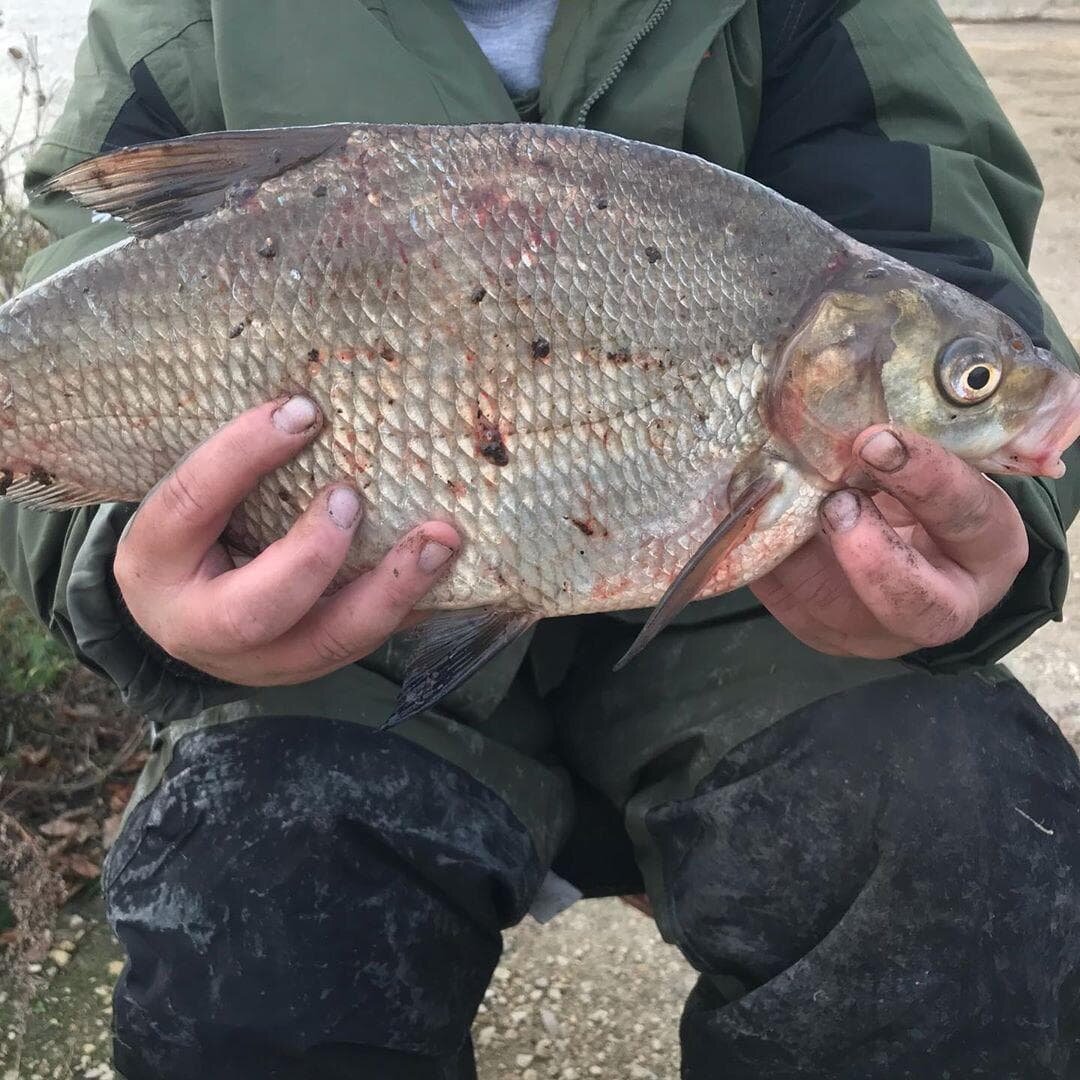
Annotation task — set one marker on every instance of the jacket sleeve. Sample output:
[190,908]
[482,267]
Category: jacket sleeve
[60,563]
[874,116]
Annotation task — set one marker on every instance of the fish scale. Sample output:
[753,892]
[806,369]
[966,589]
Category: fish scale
[374,263]
[625,375]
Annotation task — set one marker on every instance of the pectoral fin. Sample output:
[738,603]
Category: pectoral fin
[732,531]
[450,647]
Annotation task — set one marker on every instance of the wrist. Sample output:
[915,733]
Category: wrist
[177,669]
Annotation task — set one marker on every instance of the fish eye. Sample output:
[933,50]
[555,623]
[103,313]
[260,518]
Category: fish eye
[968,372]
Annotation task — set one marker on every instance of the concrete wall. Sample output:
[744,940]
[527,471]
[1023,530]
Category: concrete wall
[1012,9]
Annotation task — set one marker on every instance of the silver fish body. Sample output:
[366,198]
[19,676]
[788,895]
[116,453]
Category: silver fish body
[577,349]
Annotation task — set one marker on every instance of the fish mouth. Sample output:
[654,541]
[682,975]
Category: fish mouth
[1037,450]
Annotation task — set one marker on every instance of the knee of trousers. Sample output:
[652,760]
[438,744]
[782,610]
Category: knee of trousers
[292,884]
[908,815]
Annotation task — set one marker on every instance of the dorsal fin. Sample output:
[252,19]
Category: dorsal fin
[157,186]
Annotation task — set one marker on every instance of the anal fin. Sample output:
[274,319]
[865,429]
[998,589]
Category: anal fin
[42,491]
[728,535]
[448,648]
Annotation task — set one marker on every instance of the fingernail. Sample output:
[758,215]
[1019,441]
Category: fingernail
[296,415]
[884,452]
[432,556]
[841,510]
[343,506]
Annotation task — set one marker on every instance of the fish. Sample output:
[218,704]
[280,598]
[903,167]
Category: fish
[627,376]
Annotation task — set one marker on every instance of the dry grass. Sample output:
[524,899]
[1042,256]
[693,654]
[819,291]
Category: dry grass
[35,893]
[20,235]
[30,889]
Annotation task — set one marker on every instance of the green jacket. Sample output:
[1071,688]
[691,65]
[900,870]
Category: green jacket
[867,111]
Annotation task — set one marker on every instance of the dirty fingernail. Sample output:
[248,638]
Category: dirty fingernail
[884,452]
[343,506]
[841,510]
[296,415]
[432,556]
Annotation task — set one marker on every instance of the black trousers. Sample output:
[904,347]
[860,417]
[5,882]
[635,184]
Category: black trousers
[884,884]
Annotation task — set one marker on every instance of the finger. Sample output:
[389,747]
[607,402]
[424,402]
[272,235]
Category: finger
[359,618]
[809,581]
[870,645]
[909,596]
[188,510]
[893,510]
[811,598]
[257,603]
[801,622]
[969,517]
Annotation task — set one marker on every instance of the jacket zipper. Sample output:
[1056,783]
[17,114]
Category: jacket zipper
[647,28]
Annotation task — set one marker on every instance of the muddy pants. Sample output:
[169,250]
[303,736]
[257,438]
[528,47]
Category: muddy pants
[875,871]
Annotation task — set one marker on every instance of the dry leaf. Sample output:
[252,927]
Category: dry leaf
[58,828]
[87,830]
[81,866]
[31,757]
[119,794]
[81,710]
[16,53]
[135,762]
[110,829]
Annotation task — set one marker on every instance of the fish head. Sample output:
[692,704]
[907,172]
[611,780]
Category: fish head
[967,376]
[895,345]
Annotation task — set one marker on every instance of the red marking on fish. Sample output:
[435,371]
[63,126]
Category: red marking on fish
[590,526]
[610,588]
[484,202]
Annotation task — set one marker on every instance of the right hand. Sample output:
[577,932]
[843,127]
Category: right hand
[267,622]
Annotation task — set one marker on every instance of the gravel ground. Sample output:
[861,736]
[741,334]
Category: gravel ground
[596,993]
[1035,71]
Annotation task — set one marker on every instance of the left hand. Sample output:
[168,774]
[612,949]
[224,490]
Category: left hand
[913,567]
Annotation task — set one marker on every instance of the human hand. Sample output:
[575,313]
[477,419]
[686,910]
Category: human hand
[913,567]
[266,622]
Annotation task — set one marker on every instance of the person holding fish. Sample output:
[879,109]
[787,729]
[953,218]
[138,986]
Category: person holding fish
[521,325]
